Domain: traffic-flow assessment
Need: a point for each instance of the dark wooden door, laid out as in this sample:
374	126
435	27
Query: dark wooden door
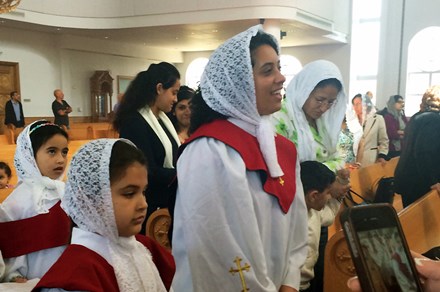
9	81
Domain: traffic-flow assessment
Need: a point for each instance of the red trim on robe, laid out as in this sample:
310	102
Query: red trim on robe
81	269
283	188
36	233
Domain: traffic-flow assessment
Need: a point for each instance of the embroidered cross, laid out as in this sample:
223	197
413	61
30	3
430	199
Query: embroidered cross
240	270
280	179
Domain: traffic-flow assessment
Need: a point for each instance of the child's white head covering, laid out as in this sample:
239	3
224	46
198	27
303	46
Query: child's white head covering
228	87
44	189
329	124
88	201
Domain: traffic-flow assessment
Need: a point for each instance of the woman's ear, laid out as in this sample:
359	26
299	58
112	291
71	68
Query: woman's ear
159	88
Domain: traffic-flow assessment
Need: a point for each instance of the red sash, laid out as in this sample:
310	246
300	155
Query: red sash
81	269
283	188
40	232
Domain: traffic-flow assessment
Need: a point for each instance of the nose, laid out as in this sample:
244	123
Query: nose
281	78
142	204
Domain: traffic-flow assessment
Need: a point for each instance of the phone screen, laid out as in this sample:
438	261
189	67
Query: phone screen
386	259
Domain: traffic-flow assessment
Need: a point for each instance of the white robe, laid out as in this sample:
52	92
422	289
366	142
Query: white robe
221	213
20	204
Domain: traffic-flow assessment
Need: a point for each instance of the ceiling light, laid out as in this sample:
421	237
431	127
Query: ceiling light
8	5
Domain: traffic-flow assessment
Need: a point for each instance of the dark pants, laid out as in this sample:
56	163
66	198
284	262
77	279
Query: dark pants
317	284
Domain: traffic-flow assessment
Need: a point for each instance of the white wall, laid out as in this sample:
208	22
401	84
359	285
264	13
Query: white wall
44	66
395	38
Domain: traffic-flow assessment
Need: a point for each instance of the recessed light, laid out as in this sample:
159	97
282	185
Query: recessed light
177	38
106	37
214	30
58	28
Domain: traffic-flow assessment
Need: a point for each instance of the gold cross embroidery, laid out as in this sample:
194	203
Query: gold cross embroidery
280	179
240	270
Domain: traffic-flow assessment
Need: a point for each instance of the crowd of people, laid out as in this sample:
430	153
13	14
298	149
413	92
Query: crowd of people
251	178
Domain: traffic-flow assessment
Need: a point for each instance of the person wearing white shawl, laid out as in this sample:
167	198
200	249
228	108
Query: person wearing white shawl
141	118
40	160
105	198
311	117
240	220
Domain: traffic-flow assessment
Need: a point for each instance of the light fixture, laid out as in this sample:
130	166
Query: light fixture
8	5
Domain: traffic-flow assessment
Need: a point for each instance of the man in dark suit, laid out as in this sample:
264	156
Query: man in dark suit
14	117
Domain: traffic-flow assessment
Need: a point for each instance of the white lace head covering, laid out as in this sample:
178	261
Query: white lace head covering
228	87
44	189
88	201
329	124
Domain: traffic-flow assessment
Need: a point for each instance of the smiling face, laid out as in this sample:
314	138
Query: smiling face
183	113
268	80
319	101
51	157
165	98
129	203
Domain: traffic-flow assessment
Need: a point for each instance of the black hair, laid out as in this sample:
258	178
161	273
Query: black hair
122	156
259	40
316	176
185	93
142	90
201	113
6	168
397	97
329	82
42	134
13	93
356	96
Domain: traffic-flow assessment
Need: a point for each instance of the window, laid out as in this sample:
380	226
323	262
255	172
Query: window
195	71
423	67
290	66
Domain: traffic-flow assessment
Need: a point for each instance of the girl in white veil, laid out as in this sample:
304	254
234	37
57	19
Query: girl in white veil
33	207
105	199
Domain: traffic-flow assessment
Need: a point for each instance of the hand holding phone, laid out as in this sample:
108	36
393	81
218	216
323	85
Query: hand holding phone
379	250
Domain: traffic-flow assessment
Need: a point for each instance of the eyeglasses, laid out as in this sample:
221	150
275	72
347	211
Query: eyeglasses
326	102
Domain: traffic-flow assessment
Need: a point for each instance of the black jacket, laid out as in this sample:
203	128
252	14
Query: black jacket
10	117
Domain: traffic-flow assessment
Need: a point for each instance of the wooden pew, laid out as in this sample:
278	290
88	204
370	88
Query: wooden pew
421	225
4	193
89	131
364	182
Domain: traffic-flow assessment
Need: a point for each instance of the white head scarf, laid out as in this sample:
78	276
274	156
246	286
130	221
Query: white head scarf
329	124
44	189
88	201
228	87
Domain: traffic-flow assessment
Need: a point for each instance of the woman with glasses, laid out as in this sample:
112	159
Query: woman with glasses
311	117
395	122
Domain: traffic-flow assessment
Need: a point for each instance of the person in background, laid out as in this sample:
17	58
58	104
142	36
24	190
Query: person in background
395	122
373	146
61	110
418	171
5	176
118	102
345	146
14	117
40	160
105	199
141	118
317	180
311	117
240	220
180	115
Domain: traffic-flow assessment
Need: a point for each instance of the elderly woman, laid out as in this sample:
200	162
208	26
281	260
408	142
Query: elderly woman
311	117
418	168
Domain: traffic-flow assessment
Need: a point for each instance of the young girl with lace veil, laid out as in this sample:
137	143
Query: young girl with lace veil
240	218
105	198
34	230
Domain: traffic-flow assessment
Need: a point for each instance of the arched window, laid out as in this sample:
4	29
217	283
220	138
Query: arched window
290	66
423	66
194	72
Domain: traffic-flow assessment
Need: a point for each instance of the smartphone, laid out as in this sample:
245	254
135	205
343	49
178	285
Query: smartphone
378	249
